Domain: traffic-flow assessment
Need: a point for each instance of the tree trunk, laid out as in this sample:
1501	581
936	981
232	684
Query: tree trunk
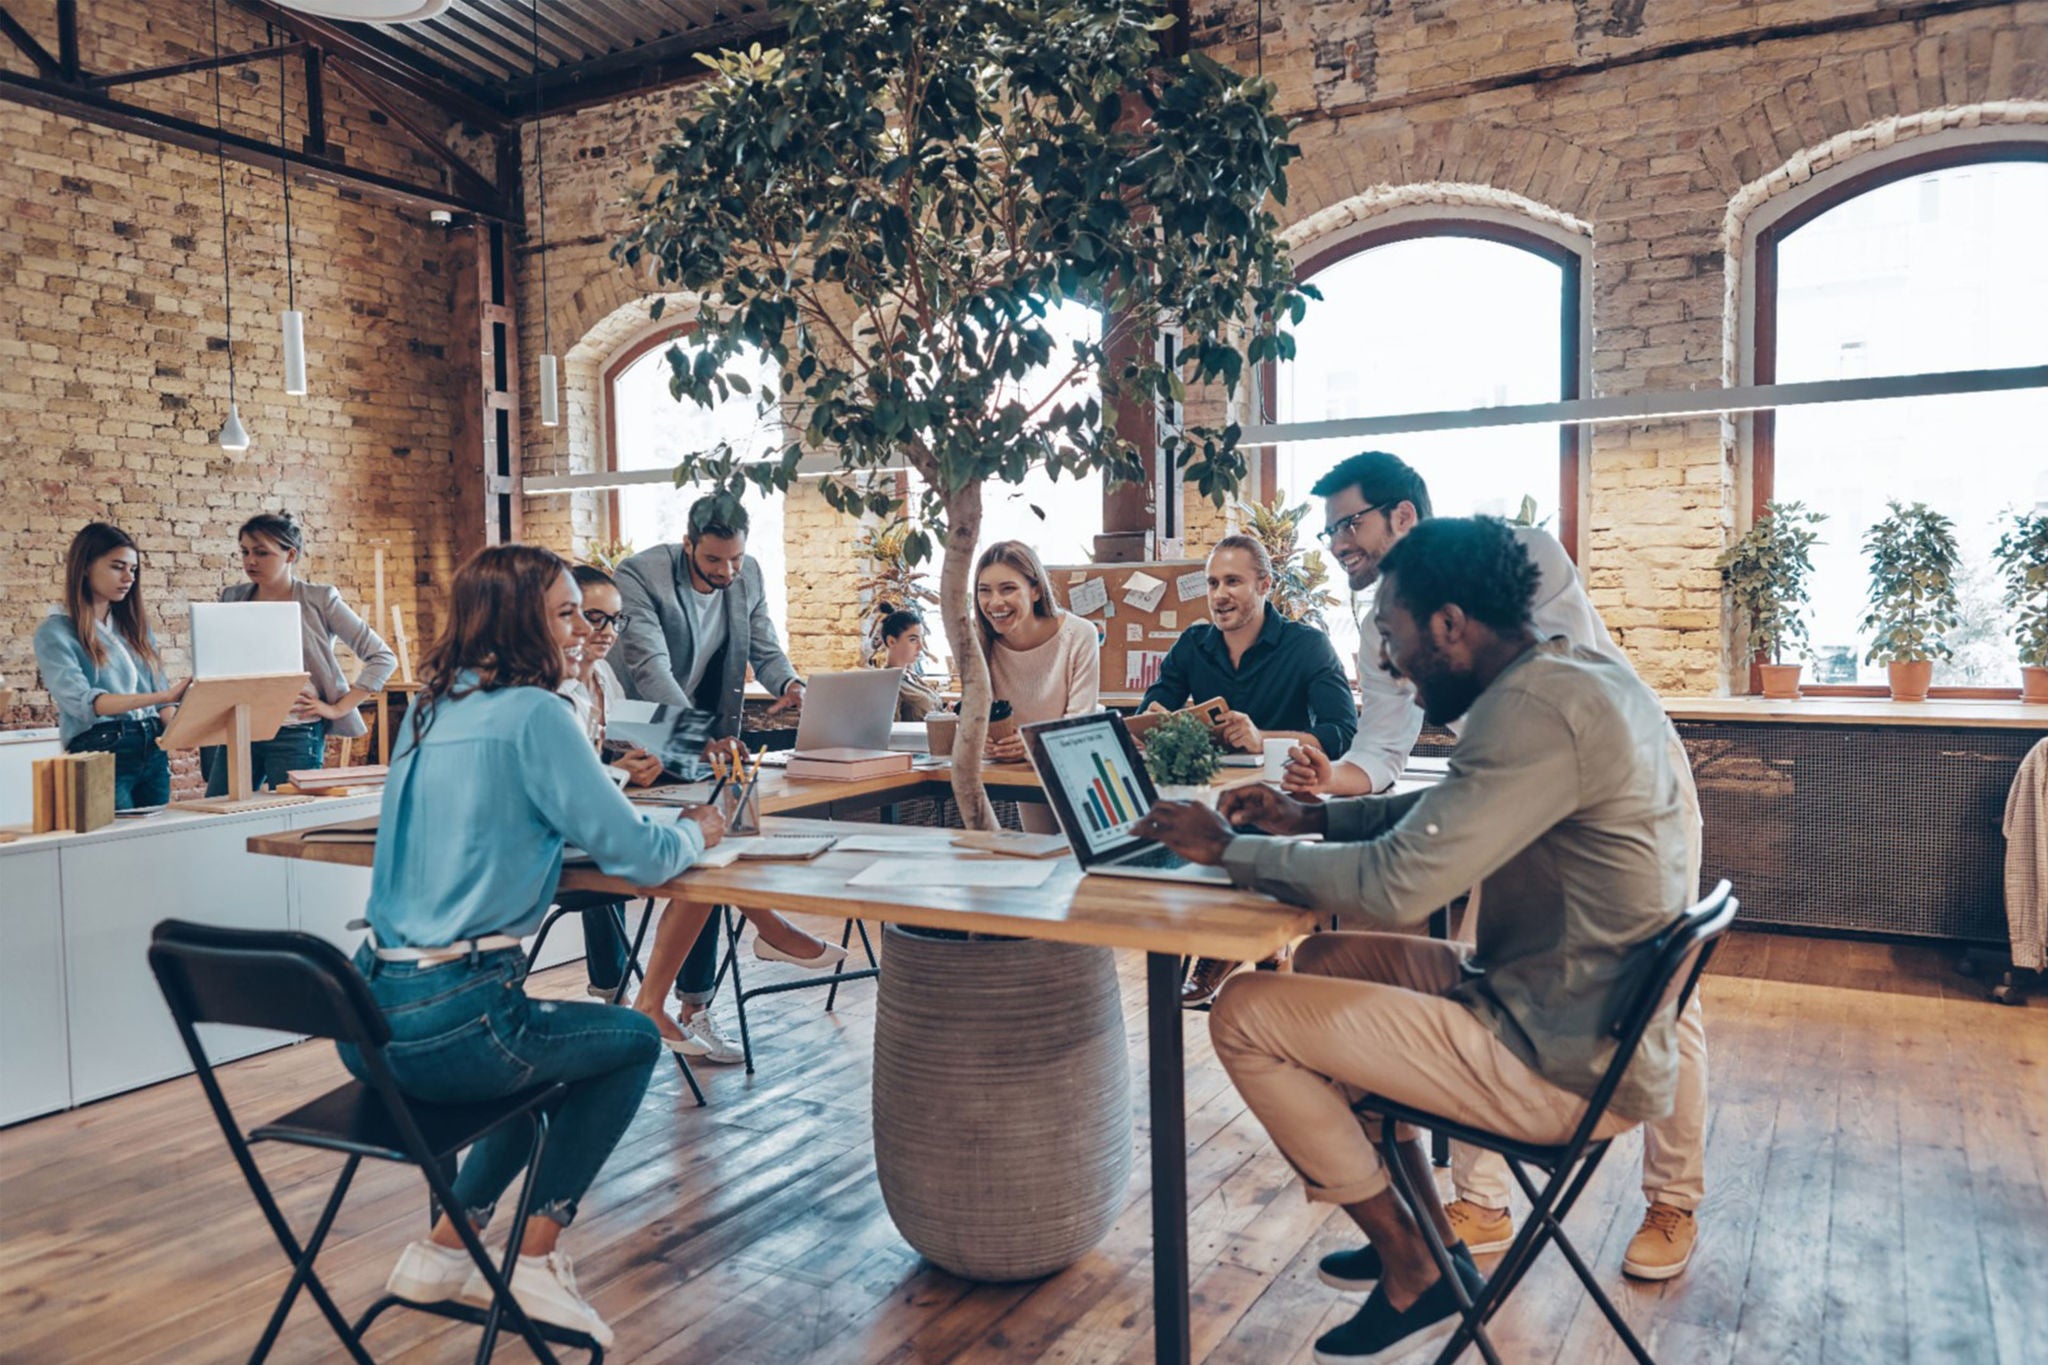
956	605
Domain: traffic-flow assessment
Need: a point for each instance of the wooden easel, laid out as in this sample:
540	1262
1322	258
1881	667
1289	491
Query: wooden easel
234	712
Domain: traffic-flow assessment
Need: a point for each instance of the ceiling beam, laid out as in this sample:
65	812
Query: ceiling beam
90	106
375	59
157	73
636	71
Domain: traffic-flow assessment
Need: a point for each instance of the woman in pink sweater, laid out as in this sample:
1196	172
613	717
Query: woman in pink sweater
1043	660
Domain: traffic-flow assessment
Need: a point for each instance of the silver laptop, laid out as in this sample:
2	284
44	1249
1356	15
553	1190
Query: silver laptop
846	710
1099	788
245	639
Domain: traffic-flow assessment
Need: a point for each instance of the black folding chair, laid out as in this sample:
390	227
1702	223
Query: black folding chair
1681	950
298	983
735	922
576	902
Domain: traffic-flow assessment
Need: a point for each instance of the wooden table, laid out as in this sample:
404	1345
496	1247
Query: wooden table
1163	920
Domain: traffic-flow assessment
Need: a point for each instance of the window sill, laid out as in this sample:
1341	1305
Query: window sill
1962	712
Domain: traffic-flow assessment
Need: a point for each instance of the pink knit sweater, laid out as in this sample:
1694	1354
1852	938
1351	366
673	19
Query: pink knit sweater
1061	677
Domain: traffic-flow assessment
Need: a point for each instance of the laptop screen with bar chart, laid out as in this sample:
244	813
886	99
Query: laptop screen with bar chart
1092	771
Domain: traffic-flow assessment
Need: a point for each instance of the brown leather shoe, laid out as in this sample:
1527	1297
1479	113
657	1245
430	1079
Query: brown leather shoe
1204	981
1662	1246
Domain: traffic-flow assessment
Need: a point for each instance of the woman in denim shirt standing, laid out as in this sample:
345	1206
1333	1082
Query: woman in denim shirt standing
98	659
271	544
493	775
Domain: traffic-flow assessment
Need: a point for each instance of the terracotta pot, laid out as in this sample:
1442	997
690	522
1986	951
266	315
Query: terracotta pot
1781	681
2033	683
1910	680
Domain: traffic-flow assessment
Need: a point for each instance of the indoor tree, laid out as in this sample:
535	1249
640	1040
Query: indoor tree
1765	573
890	203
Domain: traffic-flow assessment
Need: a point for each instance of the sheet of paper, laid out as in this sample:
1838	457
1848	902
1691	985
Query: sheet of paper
1006	873
1077	576
1141	669
1134	632
1191	585
924	841
1143	591
1169	620
1087	597
1140	581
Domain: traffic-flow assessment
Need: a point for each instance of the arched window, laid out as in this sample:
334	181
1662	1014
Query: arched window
1933	262
1436	315
646	429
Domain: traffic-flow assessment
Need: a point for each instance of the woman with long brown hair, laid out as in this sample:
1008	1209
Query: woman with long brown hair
492	777
99	661
1042	659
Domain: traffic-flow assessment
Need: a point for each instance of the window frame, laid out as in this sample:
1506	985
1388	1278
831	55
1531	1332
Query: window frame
617	365
1763	341
1573	311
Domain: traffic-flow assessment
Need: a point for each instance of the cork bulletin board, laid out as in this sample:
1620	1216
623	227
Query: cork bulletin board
1138	611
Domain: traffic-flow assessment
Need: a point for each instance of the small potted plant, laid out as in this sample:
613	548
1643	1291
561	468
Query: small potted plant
1765	573
2022	555
1182	756
1913	598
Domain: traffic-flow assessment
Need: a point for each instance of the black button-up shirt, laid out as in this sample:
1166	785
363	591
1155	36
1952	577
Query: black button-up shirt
1289	679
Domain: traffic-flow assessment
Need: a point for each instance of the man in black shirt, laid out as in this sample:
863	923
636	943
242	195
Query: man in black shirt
1280	678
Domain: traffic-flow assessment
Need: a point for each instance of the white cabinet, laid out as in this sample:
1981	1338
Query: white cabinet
115	890
35	1066
326	896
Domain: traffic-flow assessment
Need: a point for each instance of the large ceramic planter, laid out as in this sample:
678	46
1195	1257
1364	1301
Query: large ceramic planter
1781	681
2033	683
1002	1101
1910	680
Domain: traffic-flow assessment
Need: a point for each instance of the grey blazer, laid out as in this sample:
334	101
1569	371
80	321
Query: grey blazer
325	618
656	647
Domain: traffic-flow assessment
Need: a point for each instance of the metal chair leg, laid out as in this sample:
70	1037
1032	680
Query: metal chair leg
1472	1328
735	925
845	940
633	971
302	1269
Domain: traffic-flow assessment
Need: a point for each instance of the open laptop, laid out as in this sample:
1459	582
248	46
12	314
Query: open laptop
845	711
245	639
1099	788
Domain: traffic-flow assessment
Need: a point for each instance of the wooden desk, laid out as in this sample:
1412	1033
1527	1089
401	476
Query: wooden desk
1164	920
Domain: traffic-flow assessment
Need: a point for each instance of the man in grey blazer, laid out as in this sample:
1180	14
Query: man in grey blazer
695	616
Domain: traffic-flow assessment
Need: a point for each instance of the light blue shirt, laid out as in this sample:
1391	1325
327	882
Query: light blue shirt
469	840
75	682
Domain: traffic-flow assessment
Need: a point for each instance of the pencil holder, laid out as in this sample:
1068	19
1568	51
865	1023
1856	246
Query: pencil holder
741	808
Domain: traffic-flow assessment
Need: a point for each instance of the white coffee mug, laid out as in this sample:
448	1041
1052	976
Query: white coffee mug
1277	751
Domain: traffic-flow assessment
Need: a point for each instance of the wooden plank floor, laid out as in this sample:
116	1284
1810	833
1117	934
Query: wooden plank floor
1878	1191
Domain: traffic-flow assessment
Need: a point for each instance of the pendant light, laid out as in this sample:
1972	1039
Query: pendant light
550	389
234	437
293	320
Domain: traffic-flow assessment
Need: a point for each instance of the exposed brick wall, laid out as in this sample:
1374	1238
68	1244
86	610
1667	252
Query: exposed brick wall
113	373
1656	162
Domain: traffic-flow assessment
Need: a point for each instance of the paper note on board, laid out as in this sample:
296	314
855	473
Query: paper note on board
1087	597
1170	620
1143	591
1077	576
1134	631
1141	669
1192	584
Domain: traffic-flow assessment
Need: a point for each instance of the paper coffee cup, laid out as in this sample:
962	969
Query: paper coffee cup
1276	752
939	732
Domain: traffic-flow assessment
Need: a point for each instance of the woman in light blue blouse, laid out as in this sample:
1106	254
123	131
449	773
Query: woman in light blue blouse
271	545
99	661
492	776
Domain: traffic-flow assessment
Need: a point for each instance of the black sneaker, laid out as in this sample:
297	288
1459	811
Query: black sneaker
1357	1271
1379	1331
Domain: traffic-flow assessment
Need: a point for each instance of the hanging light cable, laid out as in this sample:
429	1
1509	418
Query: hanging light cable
550	395
294	321
234	437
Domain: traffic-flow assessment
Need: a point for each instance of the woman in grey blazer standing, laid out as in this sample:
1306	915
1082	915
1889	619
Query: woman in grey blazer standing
271	545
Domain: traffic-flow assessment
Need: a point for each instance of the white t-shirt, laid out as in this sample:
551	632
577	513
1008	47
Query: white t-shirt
1389	717
707	621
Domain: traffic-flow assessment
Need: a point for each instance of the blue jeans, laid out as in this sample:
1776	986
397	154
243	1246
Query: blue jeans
465	1031
142	772
270	760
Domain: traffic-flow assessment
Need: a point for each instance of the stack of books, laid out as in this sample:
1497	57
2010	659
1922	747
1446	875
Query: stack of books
848	765
74	792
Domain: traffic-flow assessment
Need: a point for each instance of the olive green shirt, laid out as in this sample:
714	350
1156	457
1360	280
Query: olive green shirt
1561	801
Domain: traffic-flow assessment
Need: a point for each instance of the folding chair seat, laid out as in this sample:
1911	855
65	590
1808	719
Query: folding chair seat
298	983
1676	959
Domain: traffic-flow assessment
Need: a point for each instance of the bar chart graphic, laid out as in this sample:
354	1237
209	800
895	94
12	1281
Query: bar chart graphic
1113	801
1089	765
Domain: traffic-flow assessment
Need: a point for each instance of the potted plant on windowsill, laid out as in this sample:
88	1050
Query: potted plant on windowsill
1913	598
2022	555
1765	573
1182	756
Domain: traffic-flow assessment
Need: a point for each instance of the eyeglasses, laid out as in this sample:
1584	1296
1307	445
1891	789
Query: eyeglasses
605	620
1336	530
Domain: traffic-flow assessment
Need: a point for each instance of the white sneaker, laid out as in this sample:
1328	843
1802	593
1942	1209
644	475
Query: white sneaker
604	993
703	1038
828	956
545	1287
429	1273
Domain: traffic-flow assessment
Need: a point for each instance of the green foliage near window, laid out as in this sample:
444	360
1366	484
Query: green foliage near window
1766	572
609	555
891	581
1181	753
2022	555
1298	576
888	204
1913	598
